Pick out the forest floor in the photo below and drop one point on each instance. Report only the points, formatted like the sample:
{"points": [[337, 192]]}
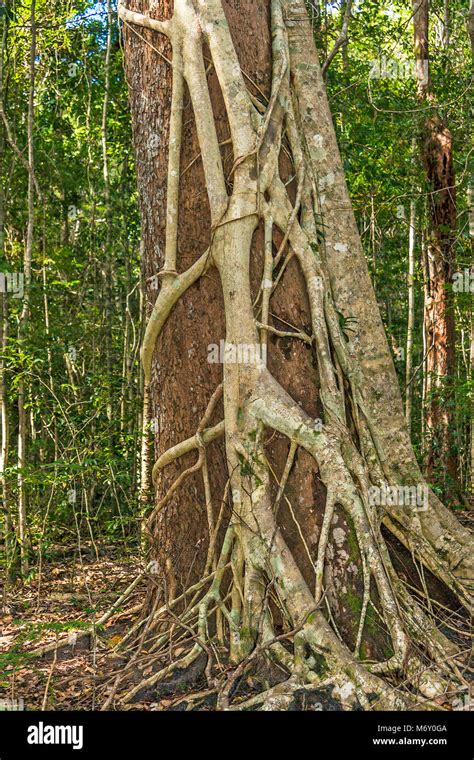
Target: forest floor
{"points": [[39, 612], [70, 594]]}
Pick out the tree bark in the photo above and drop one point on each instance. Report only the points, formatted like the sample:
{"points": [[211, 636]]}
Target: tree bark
{"points": [[439, 267], [411, 314], [108, 270], [470, 26], [197, 321], [280, 262], [8, 534]]}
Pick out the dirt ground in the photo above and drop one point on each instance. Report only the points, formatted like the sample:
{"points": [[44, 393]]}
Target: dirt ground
{"points": [[40, 612], [61, 603]]}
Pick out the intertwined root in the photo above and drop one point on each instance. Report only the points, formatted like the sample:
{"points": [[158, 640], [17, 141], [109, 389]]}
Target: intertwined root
{"points": [[252, 583], [187, 635]]}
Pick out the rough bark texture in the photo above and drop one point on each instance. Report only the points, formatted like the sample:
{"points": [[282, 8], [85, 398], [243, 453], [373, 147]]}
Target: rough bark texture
{"points": [[182, 379], [274, 259], [439, 266], [181, 382]]}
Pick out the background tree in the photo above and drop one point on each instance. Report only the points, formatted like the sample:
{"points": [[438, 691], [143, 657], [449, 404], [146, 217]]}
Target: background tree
{"points": [[438, 259]]}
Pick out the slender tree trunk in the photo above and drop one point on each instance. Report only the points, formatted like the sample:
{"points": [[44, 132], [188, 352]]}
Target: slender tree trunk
{"points": [[471, 458], [373, 242], [470, 26], [148, 430], [439, 321], [108, 272], [4, 333], [5, 426], [25, 313], [411, 309], [128, 331], [4, 411]]}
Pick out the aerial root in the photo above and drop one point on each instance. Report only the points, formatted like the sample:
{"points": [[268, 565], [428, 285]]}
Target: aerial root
{"points": [[351, 683]]}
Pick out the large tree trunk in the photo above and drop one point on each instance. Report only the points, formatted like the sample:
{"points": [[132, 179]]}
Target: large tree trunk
{"points": [[248, 226], [197, 322]]}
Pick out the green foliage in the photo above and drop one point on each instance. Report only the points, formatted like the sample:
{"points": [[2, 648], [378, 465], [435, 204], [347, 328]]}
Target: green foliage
{"points": [[377, 119], [83, 420]]}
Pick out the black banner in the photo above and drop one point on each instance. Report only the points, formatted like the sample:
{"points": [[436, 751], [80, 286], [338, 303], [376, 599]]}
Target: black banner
{"points": [[123, 735]]}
